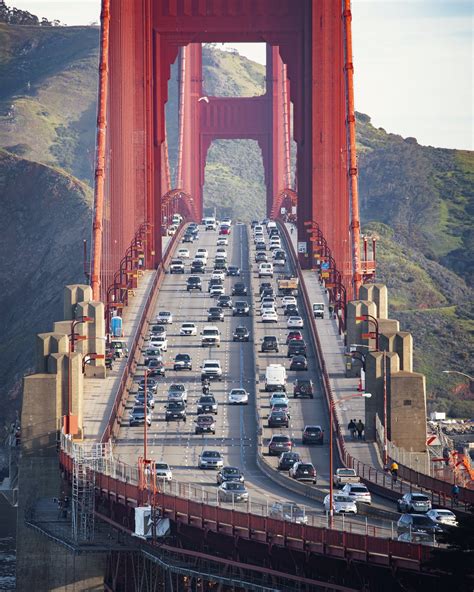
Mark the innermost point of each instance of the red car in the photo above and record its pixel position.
(296, 334)
(224, 230)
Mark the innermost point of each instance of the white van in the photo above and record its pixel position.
(265, 269)
(318, 310)
(270, 225)
(275, 378)
(210, 335)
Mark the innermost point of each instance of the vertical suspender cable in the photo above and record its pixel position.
(355, 220)
(181, 116)
(100, 151)
(286, 125)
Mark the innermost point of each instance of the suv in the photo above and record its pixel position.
(269, 343)
(239, 289)
(211, 369)
(224, 301)
(215, 313)
(302, 471)
(298, 363)
(313, 434)
(205, 423)
(207, 404)
(233, 270)
(278, 444)
(177, 392)
(198, 266)
(278, 418)
(303, 387)
(137, 415)
(177, 266)
(414, 502)
(241, 334)
(175, 411)
(287, 460)
(193, 283)
(417, 523)
(210, 335)
(296, 347)
(229, 474)
(182, 362)
(241, 309)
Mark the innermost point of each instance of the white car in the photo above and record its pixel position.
(218, 275)
(163, 471)
(216, 291)
(269, 316)
(294, 323)
(165, 317)
(443, 517)
(267, 306)
(183, 253)
(159, 342)
(221, 252)
(188, 329)
(203, 252)
(279, 397)
(288, 300)
(238, 396)
(341, 504)
(358, 492)
(201, 257)
(222, 241)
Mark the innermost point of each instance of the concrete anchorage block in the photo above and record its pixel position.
(407, 411)
(388, 326)
(402, 344)
(68, 368)
(73, 294)
(355, 328)
(46, 344)
(377, 293)
(374, 384)
(94, 332)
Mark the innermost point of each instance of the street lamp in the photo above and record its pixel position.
(332, 405)
(371, 334)
(460, 373)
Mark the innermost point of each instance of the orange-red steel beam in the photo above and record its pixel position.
(97, 226)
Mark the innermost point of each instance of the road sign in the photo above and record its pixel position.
(433, 441)
(282, 211)
(369, 335)
(325, 265)
(302, 247)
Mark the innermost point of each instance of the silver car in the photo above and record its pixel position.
(177, 392)
(414, 502)
(357, 492)
(288, 511)
(232, 491)
(341, 504)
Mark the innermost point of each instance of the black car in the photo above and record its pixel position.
(229, 474)
(207, 404)
(264, 286)
(269, 343)
(182, 362)
(157, 330)
(205, 424)
(151, 384)
(417, 523)
(291, 310)
(175, 411)
(261, 257)
(299, 363)
(278, 418)
(137, 415)
(303, 387)
(215, 314)
(241, 334)
(239, 289)
(155, 367)
(267, 292)
(220, 265)
(313, 434)
(150, 399)
(198, 266)
(224, 301)
(287, 460)
(193, 283)
(261, 247)
(214, 282)
(188, 238)
(296, 347)
(233, 270)
(241, 309)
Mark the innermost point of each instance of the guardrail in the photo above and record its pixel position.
(440, 491)
(113, 423)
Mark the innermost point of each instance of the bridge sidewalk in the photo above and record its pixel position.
(333, 352)
(99, 393)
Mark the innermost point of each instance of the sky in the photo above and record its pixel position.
(413, 62)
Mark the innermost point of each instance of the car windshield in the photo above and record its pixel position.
(182, 356)
(280, 439)
(207, 400)
(421, 520)
(419, 497)
(359, 489)
(174, 405)
(235, 486)
(346, 472)
(176, 387)
(313, 429)
(342, 498)
(211, 454)
(205, 419)
(241, 330)
(445, 514)
(161, 466)
(306, 467)
(231, 471)
(238, 391)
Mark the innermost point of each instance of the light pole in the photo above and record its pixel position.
(332, 406)
(371, 334)
(470, 378)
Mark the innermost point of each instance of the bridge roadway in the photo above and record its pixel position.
(236, 426)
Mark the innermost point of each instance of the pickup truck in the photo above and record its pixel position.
(344, 476)
(288, 286)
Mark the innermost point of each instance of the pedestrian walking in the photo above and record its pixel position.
(455, 493)
(360, 429)
(394, 471)
(351, 426)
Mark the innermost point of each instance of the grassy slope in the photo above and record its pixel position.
(48, 76)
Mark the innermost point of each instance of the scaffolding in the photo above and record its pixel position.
(87, 461)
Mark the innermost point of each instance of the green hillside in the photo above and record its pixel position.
(418, 200)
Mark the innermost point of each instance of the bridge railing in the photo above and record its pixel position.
(113, 422)
(439, 490)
